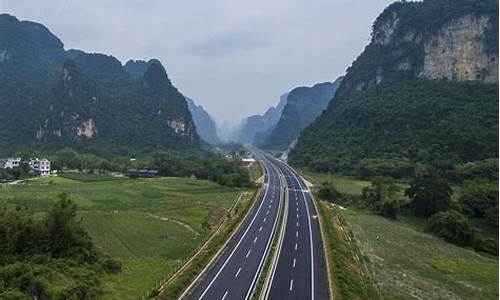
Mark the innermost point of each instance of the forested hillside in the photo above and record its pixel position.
(423, 92)
(303, 105)
(53, 98)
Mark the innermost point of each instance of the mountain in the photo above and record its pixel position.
(136, 68)
(205, 125)
(304, 104)
(256, 125)
(423, 92)
(52, 98)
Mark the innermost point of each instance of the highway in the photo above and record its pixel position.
(299, 272)
(235, 273)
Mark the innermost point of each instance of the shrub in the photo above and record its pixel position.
(452, 226)
(480, 200)
(381, 196)
(329, 192)
(487, 245)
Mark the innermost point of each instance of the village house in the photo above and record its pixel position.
(41, 166)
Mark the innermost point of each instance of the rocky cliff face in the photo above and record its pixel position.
(458, 53)
(73, 115)
(429, 39)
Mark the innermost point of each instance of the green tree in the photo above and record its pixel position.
(480, 200)
(382, 197)
(329, 192)
(429, 193)
(65, 232)
(26, 154)
(37, 255)
(453, 226)
(67, 158)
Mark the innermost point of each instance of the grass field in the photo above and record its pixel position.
(407, 263)
(410, 264)
(344, 184)
(150, 225)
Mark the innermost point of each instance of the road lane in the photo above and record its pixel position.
(236, 271)
(300, 272)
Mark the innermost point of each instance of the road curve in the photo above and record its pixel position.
(235, 273)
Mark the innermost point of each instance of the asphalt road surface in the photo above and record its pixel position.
(300, 272)
(300, 269)
(235, 273)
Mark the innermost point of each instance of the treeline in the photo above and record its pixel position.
(49, 257)
(429, 196)
(206, 165)
(200, 164)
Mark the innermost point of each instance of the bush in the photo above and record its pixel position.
(394, 167)
(40, 256)
(110, 265)
(487, 245)
(452, 226)
(381, 196)
(485, 169)
(480, 200)
(329, 192)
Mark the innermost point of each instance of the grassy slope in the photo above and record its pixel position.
(255, 171)
(409, 264)
(150, 225)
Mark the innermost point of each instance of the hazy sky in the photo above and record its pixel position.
(233, 57)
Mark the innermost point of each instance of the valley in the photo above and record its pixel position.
(204, 152)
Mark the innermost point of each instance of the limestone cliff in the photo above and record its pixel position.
(458, 52)
(429, 39)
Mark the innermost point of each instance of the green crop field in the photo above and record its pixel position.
(150, 225)
(408, 263)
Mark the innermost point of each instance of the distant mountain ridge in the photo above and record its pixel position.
(205, 125)
(423, 92)
(255, 126)
(304, 104)
(53, 98)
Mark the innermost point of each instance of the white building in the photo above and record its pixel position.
(41, 166)
(11, 163)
